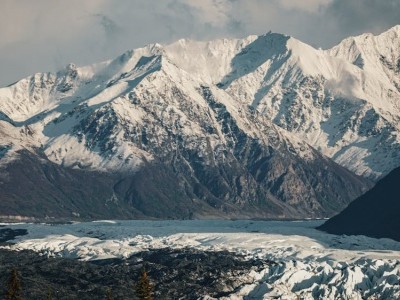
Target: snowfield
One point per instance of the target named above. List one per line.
(309, 263)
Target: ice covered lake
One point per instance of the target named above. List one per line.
(310, 263)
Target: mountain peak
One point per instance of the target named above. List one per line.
(368, 35)
(377, 54)
(394, 29)
(69, 70)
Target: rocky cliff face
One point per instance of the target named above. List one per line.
(261, 127)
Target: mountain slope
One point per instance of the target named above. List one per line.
(214, 164)
(229, 122)
(373, 214)
(349, 114)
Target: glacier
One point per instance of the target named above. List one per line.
(307, 263)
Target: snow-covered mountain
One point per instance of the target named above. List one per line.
(226, 124)
(349, 113)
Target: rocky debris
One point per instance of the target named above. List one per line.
(175, 274)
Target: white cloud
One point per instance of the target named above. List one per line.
(305, 5)
(214, 12)
(21, 20)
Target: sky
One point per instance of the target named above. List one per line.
(46, 35)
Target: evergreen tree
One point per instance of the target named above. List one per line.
(49, 294)
(144, 289)
(14, 287)
(109, 294)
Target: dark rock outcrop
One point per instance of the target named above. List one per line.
(374, 214)
(7, 234)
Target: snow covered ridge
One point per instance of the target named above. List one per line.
(308, 263)
(342, 101)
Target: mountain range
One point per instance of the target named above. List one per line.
(261, 127)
